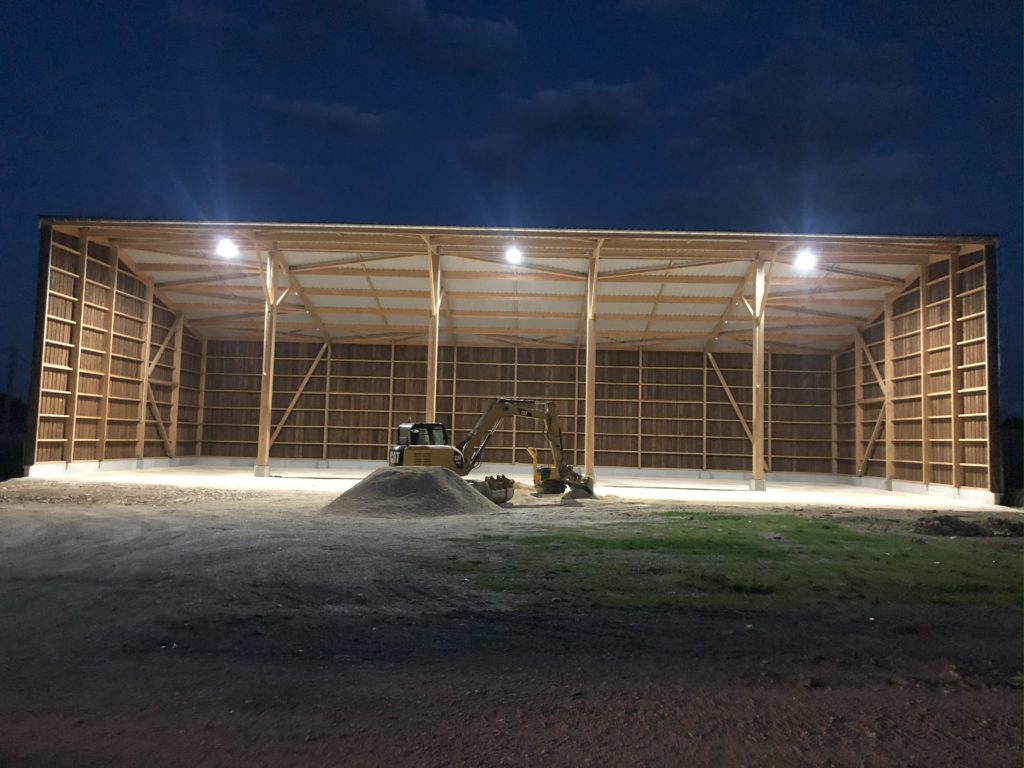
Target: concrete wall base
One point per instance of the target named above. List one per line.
(60, 468)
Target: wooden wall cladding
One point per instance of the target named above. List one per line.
(122, 375)
(113, 358)
(933, 355)
(343, 403)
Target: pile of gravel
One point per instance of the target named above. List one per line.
(411, 492)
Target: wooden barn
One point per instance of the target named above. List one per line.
(868, 358)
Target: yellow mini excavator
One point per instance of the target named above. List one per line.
(428, 445)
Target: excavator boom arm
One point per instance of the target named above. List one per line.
(474, 443)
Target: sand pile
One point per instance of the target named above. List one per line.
(411, 492)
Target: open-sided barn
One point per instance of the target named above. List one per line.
(701, 352)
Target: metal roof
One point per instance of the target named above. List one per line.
(654, 288)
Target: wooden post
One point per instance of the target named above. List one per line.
(769, 415)
(201, 412)
(835, 416)
(704, 415)
(74, 375)
(172, 430)
(956, 359)
(262, 468)
(757, 482)
(590, 387)
(101, 448)
(147, 341)
(433, 331)
(890, 403)
(858, 409)
(994, 434)
(30, 452)
(926, 401)
(639, 407)
(327, 406)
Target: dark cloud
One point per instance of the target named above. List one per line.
(443, 40)
(584, 111)
(336, 116)
(268, 32)
(677, 7)
(816, 137)
(799, 108)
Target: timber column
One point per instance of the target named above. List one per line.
(757, 482)
(262, 468)
(433, 332)
(590, 365)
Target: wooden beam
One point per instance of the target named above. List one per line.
(956, 359)
(858, 407)
(179, 338)
(171, 333)
(297, 290)
(870, 276)
(201, 410)
(262, 468)
(926, 401)
(757, 411)
(704, 412)
(733, 301)
(619, 274)
(870, 448)
(890, 403)
(835, 415)
(298, 392)
(101, 448)
(590, 375)
(328, 267)
(996, 481)
(147, 333)
(728, 394)
(159, 420)
(433, 330)
(859, 339)
(327, 406)
(75, 374)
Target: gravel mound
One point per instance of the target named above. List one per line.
(411, 492)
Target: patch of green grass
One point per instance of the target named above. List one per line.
(689, 559)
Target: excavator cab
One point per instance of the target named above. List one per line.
(423, 444)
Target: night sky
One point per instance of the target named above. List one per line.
(843, 117)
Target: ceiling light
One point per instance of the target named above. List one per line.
(226, 248)
(805, 260)
(513, 255)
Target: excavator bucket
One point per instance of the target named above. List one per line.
(497, 488)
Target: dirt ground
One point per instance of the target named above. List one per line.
(170, 626)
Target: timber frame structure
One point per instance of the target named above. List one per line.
(698, 351)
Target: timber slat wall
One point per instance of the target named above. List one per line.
(908, 399)
(94, 362)
(643, 419)
(939, 345)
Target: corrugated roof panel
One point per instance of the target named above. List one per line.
(402, 302)
(541, 322)
(724, 290)
(682, 327)
(359, 302)
(620, 288)
(619, 325)
(332, 281)
(674, 308)
(624, 308)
